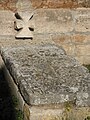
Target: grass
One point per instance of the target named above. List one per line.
(88, 118)
(8, 103)
(19, 115)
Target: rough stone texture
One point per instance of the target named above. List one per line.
(59, 113)
(53, 21)
(6, 23)
(11, 4)
(63, 27)
(82, 18)
(46, 75)
(8, 5)
(60, 3)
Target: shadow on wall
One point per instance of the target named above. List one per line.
(8, 103)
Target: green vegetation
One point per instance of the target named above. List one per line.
(87, 66)
(88, 118)
(15, 101)
(18, 112)
(19, 115)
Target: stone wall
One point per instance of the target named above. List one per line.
(60, 3)
(10, 4)
(67, 27)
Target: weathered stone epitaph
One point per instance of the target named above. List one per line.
(46, 75)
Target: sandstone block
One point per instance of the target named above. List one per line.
(61, 38)
(69, 48)
(8, 5)
(6, 23)
(86, 60)
(59, 113)
(81, 38)
(80, 59)
(82, 20)
(60, 3)
(53, 21)
(83, 49)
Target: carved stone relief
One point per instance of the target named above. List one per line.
(24, 20)
(24, 25)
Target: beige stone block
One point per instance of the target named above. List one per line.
(69, 48)
(83, 24)
(86, 60)
(53, 21)
(82, 17)
(60, 3)
(81, 38)
(83, 59)
(8, 5)
(64, 41)
(82, 50)
(46, 113)
(61, 38)
(80, 59)
(7, 23)
(82, 11)
(64, 113)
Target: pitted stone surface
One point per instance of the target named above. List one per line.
(46, 75)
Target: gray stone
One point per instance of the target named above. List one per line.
(46, 75)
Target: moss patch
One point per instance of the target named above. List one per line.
(18, 112)
(87, 118)
(87, 66)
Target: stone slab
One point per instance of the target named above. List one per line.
(46, 75)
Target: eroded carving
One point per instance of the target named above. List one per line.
(24, 25)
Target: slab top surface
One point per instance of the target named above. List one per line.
(45, 74)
